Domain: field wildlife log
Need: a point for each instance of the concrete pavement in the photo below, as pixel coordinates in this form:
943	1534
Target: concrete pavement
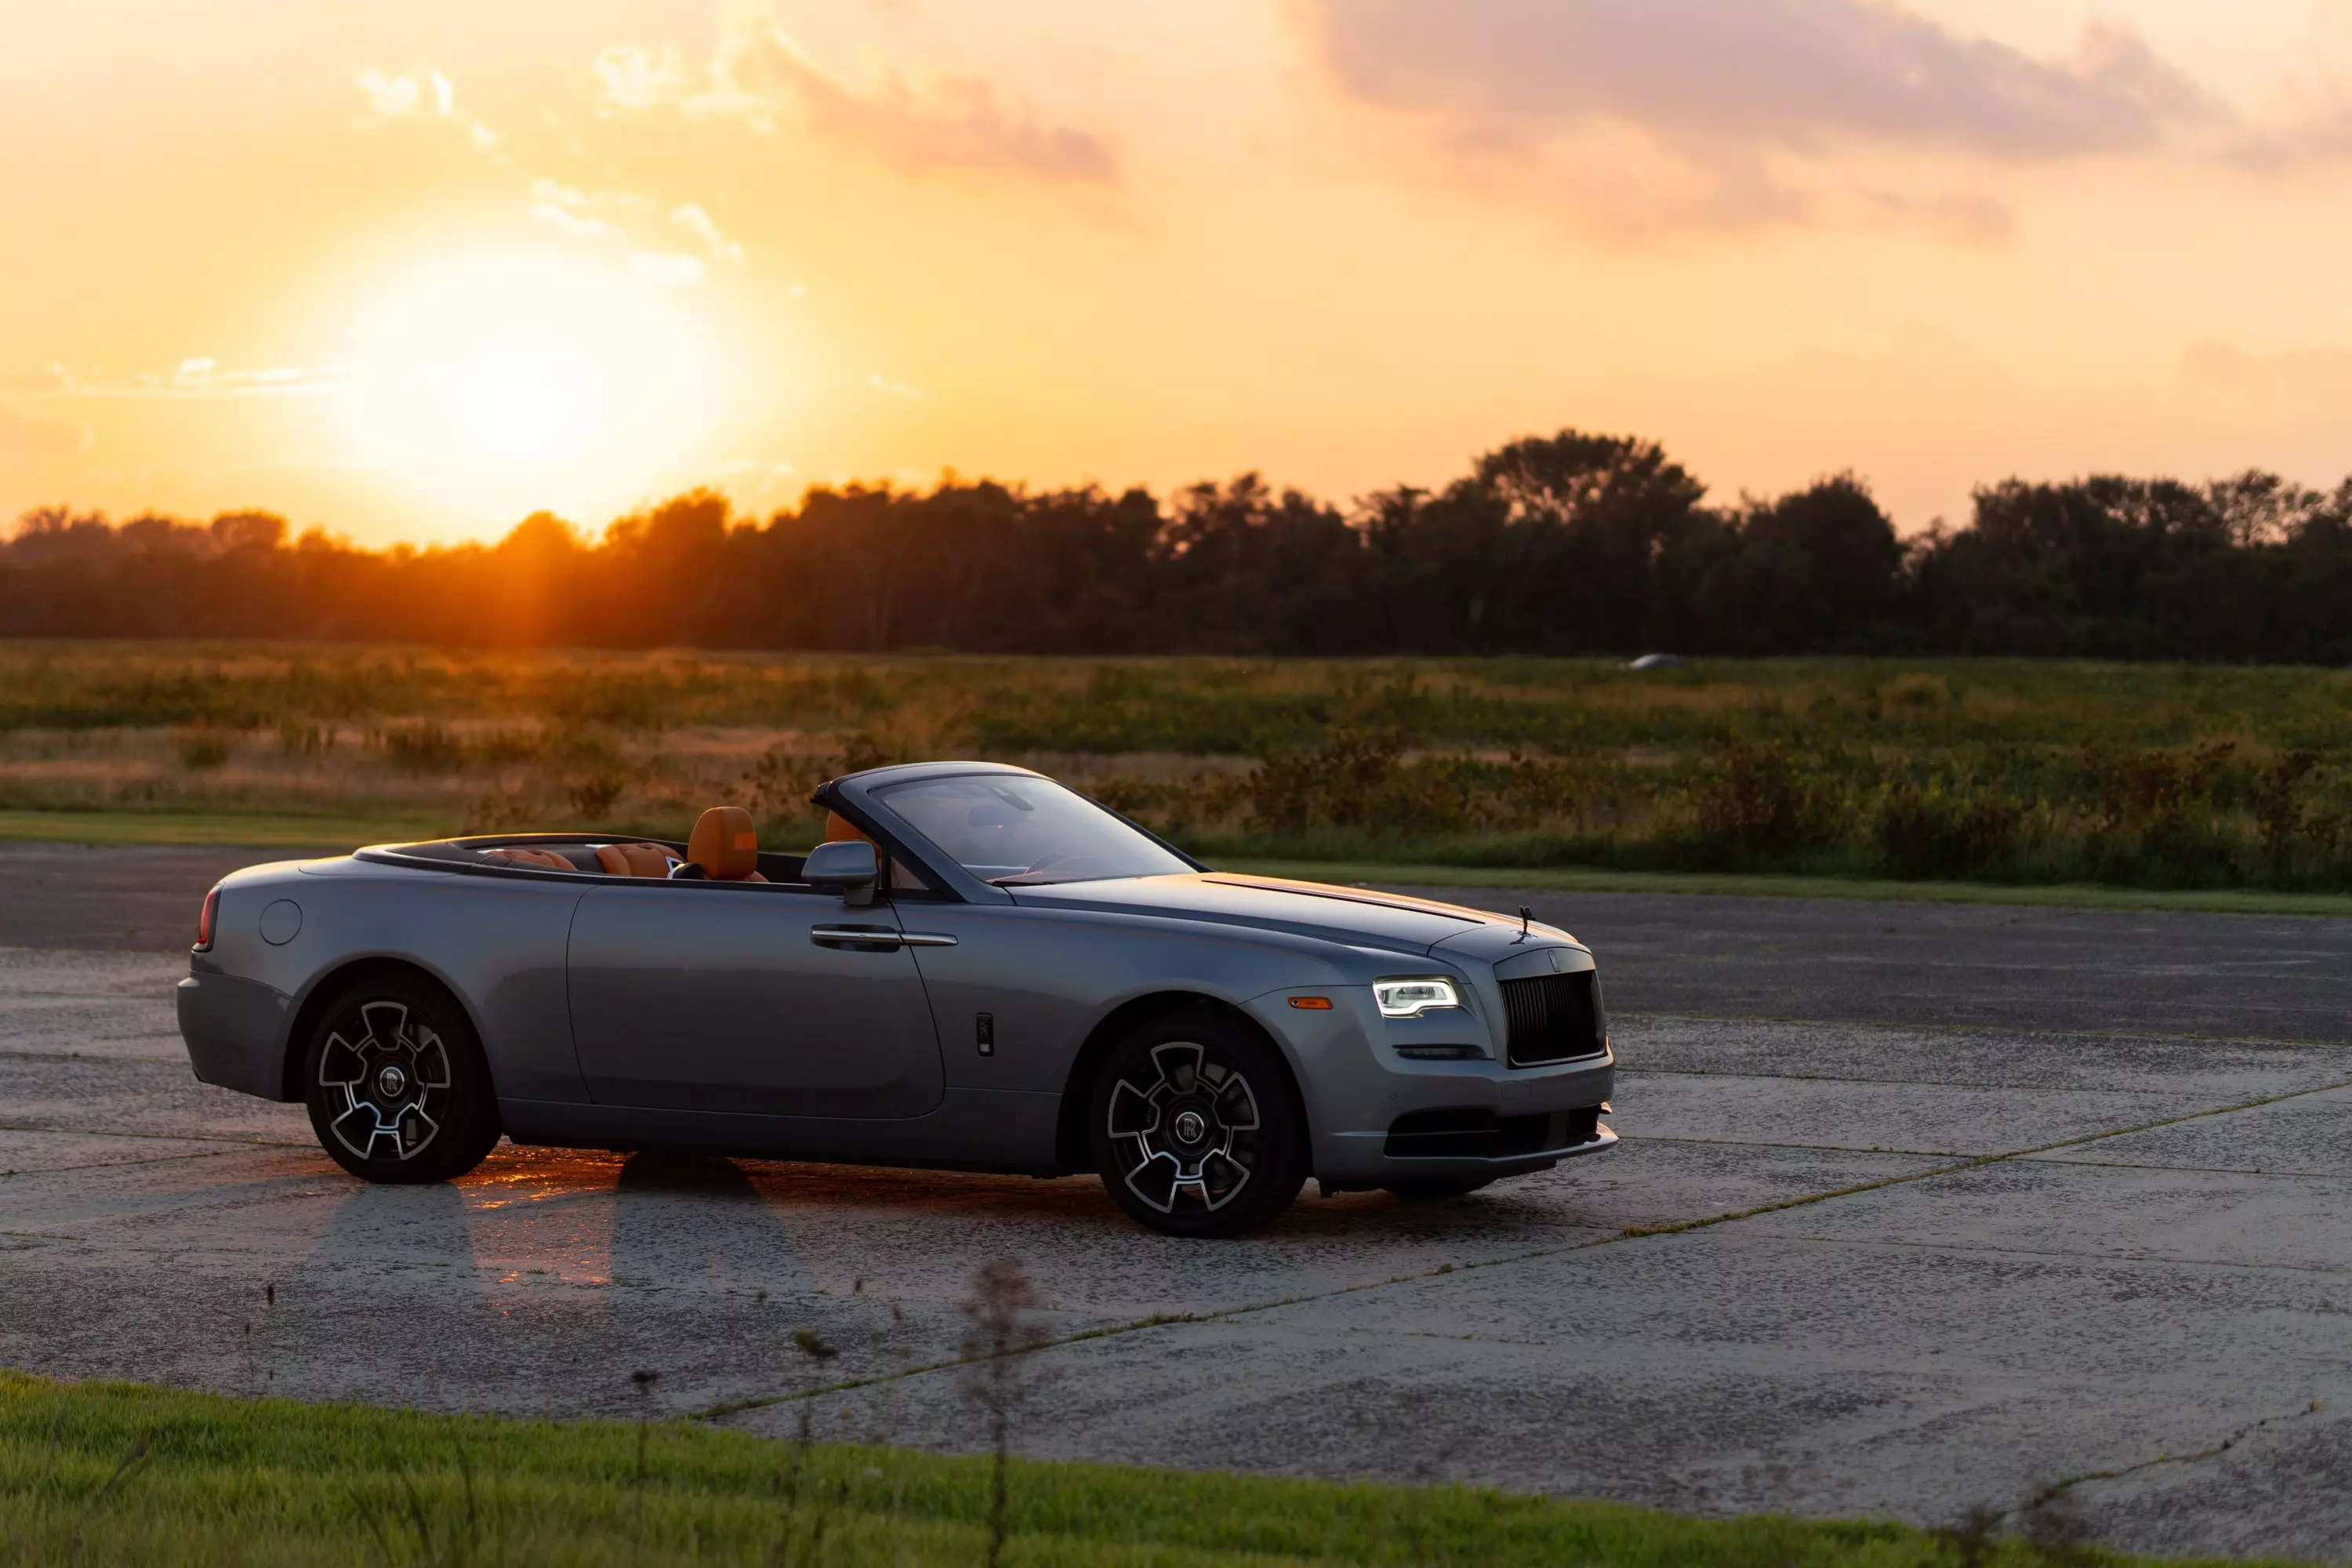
1918	1208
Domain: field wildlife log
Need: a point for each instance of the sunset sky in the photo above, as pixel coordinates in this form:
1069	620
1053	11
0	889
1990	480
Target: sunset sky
415	270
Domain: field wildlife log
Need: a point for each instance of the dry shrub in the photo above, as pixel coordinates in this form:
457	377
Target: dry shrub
426	748
1946	829
297	737
2158	792
1000	1373
201	747
593	798
1763	800
1343	783
781	782
1919	692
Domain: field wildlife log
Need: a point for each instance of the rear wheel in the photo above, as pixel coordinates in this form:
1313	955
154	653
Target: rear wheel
1196	1128
397	1085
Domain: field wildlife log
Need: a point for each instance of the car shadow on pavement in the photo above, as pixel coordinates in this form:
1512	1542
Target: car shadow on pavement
387	1304
682	1220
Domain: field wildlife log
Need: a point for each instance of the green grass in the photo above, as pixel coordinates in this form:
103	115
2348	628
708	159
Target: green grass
108	828
260	832
1408	874
116	1473
1186	705
2056	774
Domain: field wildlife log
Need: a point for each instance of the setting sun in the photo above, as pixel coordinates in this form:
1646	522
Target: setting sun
416	272
522	381
525	410
679	676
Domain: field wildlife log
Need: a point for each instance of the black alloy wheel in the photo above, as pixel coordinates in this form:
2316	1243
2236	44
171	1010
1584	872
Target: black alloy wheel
397	1085
1196	1127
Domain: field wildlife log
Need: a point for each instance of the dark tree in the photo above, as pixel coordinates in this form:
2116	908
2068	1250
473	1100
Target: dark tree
1569	543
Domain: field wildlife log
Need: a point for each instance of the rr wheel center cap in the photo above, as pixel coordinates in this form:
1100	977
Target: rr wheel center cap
1191	1126
392	1080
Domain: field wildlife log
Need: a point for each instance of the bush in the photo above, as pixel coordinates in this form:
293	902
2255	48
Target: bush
1342	784
1758	801
424	748
203	746
1944	830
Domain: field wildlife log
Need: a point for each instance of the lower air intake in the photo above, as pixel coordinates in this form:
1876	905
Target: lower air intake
1483	1136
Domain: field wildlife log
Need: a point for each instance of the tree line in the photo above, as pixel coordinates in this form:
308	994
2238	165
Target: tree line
1570	543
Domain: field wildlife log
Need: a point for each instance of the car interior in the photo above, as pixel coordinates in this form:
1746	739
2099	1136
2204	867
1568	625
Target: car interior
723	847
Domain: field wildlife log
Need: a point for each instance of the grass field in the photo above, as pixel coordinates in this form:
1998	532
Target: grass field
115	1473
2008	773
327	835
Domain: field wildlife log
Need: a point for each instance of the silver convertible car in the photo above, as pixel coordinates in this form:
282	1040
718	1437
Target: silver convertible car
980	969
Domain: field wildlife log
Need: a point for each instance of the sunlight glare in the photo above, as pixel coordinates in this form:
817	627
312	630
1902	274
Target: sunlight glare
532	411
498	385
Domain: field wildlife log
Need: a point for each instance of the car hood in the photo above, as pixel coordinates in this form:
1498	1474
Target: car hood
1357	916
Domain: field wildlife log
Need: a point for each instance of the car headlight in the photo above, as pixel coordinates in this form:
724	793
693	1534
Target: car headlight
1412	998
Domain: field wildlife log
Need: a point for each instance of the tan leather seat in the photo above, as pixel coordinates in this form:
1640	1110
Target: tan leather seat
539	859
634	859
725	846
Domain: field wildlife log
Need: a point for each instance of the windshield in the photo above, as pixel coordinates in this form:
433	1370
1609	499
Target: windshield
1022	831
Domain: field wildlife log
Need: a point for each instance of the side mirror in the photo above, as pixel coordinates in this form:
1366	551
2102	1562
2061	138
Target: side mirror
849	867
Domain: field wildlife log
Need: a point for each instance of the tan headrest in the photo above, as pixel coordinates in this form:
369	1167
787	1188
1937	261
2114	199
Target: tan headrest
633	860
724	845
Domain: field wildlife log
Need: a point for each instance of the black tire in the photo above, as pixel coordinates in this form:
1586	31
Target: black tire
397	1084
1196	1127
1427	1189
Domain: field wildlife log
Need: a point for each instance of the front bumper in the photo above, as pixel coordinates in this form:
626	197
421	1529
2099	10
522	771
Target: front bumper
1369	1105
1476	1125
1366	1169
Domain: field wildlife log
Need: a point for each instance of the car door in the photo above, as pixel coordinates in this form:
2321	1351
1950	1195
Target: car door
759	999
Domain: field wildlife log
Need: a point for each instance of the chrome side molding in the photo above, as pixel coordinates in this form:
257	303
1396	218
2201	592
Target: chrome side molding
877	936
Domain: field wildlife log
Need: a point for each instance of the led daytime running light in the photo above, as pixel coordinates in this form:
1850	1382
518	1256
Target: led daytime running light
1413	996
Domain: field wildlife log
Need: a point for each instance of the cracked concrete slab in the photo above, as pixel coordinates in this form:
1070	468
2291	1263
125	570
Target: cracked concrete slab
1798	1285
1894	1118
2202	1068
53	1091
2281	1478
2049	1208
2310	1134
113	1005
31	1153
1713	1369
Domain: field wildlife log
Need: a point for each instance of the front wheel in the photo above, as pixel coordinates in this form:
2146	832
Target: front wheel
397	1089
1196	1128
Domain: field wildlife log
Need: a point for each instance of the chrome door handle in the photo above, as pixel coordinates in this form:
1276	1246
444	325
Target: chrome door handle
854	936
928	938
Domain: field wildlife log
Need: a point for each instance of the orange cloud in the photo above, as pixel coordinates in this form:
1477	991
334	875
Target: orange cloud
1650	116
765	80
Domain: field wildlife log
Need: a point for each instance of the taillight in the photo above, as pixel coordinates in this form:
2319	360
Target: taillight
204	920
